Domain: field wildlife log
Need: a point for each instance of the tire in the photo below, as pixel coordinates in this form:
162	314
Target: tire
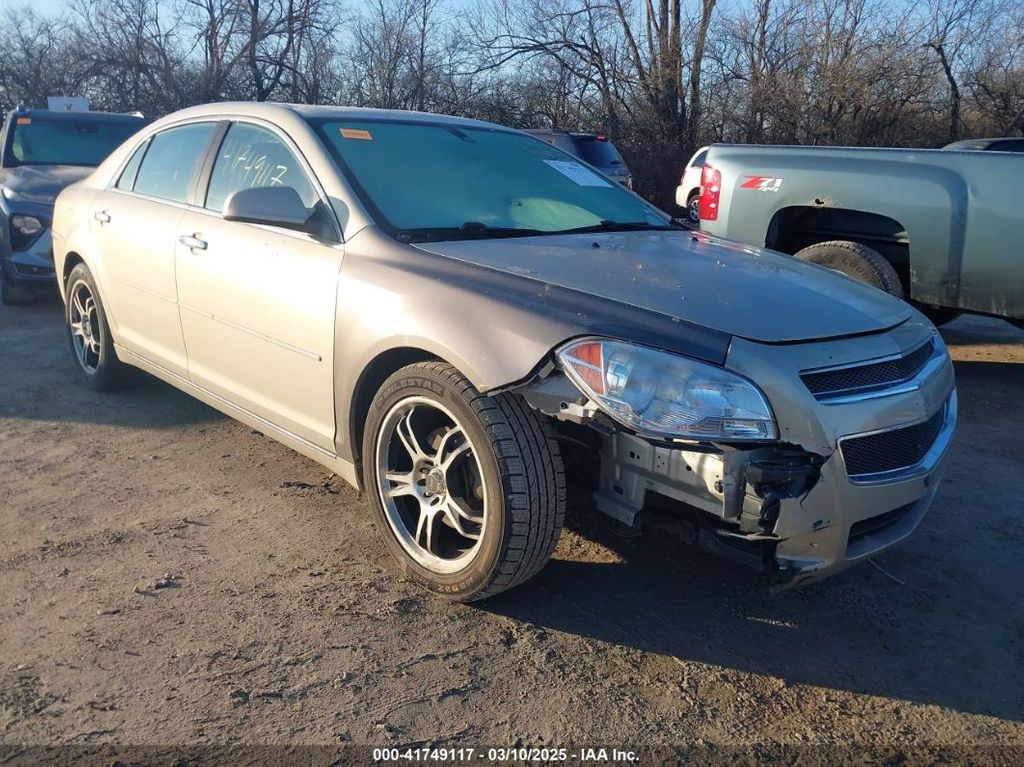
92	347
693	209
501	480
857	261
12	295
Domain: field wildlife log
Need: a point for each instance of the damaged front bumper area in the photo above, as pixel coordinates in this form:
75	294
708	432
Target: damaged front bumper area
853	473
782	509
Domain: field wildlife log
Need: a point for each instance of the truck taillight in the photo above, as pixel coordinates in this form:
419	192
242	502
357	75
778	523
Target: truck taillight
710	192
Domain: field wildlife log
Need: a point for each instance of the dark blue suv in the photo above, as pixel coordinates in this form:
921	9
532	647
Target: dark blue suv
41	152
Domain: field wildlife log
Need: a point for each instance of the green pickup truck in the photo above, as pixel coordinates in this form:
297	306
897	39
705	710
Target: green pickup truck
942	228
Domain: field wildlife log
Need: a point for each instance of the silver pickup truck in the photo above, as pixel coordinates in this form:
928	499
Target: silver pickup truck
944	229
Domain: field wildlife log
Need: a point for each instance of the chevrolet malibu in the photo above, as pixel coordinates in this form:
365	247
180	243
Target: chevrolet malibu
451	315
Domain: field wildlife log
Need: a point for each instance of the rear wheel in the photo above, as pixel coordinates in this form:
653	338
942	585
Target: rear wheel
467	490
693	208
857	261
89	334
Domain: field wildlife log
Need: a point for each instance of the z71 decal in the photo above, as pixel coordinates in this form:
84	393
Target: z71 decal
762	183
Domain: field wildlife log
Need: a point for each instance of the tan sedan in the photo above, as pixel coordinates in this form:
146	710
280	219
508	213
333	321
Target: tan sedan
438	309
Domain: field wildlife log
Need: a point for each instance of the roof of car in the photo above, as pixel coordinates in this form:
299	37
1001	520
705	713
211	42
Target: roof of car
268	111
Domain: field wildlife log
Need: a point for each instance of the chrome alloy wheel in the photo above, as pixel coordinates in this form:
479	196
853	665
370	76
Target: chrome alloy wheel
431	484
85	326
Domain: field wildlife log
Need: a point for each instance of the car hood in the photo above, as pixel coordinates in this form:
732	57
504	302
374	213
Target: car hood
748	292
39	184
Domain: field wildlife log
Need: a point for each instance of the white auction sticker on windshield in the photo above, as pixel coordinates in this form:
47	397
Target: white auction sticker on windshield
577	173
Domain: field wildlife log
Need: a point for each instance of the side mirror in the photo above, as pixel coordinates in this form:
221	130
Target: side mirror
270	205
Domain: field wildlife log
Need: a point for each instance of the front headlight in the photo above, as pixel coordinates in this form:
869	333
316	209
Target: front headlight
27	226
24	231
664	394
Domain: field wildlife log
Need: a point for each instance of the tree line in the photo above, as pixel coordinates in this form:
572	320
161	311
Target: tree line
662	77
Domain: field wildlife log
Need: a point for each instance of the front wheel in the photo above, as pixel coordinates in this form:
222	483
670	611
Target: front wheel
467	490
89	334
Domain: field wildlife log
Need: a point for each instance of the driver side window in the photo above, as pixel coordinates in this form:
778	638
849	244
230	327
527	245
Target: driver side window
252	157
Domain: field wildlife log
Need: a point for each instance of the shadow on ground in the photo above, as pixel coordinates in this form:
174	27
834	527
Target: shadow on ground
39	380
848	633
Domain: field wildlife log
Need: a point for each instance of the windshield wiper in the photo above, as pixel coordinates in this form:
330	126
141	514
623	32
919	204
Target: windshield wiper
471	230
618	226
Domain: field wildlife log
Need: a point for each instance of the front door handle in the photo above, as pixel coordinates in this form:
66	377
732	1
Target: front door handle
102	216
192	242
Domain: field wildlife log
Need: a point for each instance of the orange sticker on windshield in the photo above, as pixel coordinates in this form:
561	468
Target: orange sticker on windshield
363	135
24	121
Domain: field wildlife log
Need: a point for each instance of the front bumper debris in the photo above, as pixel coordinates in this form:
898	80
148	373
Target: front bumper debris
796	514
812	504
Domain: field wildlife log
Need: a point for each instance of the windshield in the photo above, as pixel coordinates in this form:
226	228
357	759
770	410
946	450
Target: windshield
429	181
38	141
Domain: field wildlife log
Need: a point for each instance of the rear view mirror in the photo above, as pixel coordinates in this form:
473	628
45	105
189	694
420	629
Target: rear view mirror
270	205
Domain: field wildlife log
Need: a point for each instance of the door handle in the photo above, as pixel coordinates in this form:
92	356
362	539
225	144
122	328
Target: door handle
102	216
192	242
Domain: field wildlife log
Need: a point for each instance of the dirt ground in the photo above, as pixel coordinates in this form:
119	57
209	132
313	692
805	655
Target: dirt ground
168	576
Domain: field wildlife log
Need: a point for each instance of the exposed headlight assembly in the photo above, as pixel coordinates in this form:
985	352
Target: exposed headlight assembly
24	231
667	395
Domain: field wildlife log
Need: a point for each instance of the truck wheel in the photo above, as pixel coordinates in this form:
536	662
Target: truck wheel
857	261
12	295
89	334
693	208
467	490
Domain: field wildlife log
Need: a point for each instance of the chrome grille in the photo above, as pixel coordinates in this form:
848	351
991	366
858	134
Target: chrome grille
856	378
890	451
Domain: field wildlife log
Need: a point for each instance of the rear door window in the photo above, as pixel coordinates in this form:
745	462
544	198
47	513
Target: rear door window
169	167
131	170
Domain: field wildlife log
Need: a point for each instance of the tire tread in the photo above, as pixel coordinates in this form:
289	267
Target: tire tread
530	466
888	279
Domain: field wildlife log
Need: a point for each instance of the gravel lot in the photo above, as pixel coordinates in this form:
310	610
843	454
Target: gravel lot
168	576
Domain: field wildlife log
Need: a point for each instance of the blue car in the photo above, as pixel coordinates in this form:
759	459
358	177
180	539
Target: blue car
41	152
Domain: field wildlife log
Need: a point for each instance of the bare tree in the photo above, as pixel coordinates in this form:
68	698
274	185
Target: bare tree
36	60
952	26
996	81
662	76
130	54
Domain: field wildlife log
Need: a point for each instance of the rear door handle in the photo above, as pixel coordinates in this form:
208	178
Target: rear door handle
102	216
192	242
